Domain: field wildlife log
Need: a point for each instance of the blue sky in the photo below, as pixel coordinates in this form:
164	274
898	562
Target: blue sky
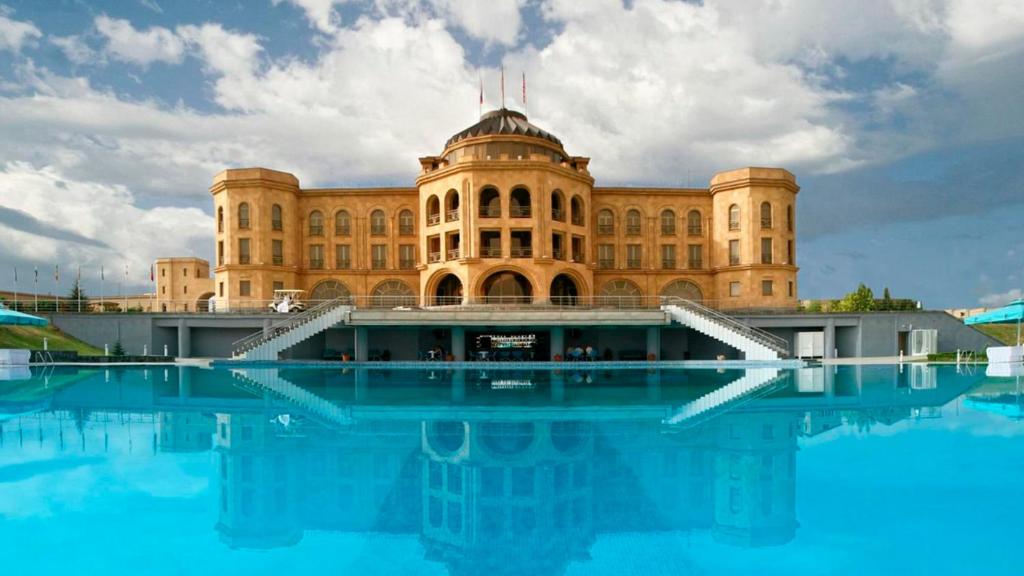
900	119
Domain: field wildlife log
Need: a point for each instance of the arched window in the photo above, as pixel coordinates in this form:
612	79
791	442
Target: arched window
220	219
433	210
734	217
451	206
378	223
766	215
633	223
276	218
668	222
406	224
329	290
605	222
243	215
577	211
621	294
694	223
789	217
557	206
342	223
316	223
391	293
490	203
519	203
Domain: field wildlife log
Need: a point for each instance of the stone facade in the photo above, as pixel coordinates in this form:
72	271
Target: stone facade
504	213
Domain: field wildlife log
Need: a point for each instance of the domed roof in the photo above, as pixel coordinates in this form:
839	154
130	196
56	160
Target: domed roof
503	121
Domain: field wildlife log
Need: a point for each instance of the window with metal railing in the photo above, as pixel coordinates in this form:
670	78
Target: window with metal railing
734	252
276	218
633	258
452	215
243	251
378	223
243	216
605	223
766	216
379	256
668	223
734	217
316	223
633	220
277	252
316	257
694	223
695	257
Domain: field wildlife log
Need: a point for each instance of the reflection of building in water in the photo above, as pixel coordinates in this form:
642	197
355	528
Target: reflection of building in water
493	490
184	431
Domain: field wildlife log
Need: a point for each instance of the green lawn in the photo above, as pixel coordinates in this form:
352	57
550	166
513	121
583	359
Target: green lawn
1005	333
31	337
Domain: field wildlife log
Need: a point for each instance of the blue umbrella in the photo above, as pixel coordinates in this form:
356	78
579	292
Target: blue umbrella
1010	314
15	318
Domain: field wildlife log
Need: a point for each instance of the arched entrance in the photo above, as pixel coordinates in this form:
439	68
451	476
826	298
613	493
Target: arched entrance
202	304
683	289
564	291
507	288
329	290
448	291
392	294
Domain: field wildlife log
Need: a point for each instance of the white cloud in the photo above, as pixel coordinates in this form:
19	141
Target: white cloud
142	47
320	13
105	213
497	21
75	49
1002	298
14	34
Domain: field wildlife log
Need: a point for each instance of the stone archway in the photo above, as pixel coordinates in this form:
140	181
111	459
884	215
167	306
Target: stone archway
564	291
506	287
203	303
448	291
683	289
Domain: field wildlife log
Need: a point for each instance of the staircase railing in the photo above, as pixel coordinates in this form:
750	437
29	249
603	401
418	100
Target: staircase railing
758	335
288	324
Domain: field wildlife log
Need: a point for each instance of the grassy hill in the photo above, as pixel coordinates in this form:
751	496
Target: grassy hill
1005	333
31	337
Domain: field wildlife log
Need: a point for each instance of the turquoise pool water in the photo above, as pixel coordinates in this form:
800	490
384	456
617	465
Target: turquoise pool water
849	470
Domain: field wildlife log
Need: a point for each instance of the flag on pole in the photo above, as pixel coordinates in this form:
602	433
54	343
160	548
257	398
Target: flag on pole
481	96
524	92
152	274
502	85
102	276
56	273
15	275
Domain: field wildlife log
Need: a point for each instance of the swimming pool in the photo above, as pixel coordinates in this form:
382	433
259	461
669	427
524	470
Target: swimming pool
837	470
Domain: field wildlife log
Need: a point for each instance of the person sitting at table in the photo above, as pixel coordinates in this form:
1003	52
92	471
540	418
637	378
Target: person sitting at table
577	353
589	351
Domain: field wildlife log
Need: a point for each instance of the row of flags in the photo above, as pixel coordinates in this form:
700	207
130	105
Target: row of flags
502	91
78	276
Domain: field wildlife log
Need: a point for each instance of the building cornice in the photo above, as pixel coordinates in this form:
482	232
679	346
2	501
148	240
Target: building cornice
646	191
390	191
505	165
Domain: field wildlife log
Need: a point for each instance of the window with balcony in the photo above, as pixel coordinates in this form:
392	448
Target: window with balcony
490	243
244	256
453	245
378	223
766	250
490	203
519	203
277	252
316	256
406	223
379	256
522	243
343	256
316	223
734	217
342	223
606	256
633	219
695	256
558	246
605	222
406	256
433	211
243	216
451	206
668	257
734	252
578	218
694	223
276	218
668	222
766	216
579	252
434	254
557	206
633	255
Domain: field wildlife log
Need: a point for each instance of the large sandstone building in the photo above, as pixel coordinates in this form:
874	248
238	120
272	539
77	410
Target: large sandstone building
502	215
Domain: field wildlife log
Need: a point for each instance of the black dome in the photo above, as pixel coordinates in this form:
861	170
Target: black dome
503	121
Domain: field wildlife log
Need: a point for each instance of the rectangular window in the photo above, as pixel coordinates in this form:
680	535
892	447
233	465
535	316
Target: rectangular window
406	256
668	256
633	256
221	290
490	243
606	256
558	246
278	285
790	288
184	272
734	289
244	288
243	251
734	252
695	256
434	249
342	256
579	253
379	256
766	250
767	287
220	253
316	256
277	251
789	253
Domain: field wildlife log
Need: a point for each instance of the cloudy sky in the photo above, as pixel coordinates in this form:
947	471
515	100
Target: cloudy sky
903	119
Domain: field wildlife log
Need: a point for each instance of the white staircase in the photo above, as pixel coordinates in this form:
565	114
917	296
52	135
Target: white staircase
756	344
267	344
268	379
754	380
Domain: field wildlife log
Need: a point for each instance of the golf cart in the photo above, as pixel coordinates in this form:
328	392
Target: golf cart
288	301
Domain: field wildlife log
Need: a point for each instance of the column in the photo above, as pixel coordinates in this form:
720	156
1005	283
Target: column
654	341
267	323
830	338
184	339
557	341
459	343
362	343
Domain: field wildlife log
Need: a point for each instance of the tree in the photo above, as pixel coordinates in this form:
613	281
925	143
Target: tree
118	349
860	300
77	294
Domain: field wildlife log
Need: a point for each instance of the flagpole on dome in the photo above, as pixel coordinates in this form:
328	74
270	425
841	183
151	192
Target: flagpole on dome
481	96
502	86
